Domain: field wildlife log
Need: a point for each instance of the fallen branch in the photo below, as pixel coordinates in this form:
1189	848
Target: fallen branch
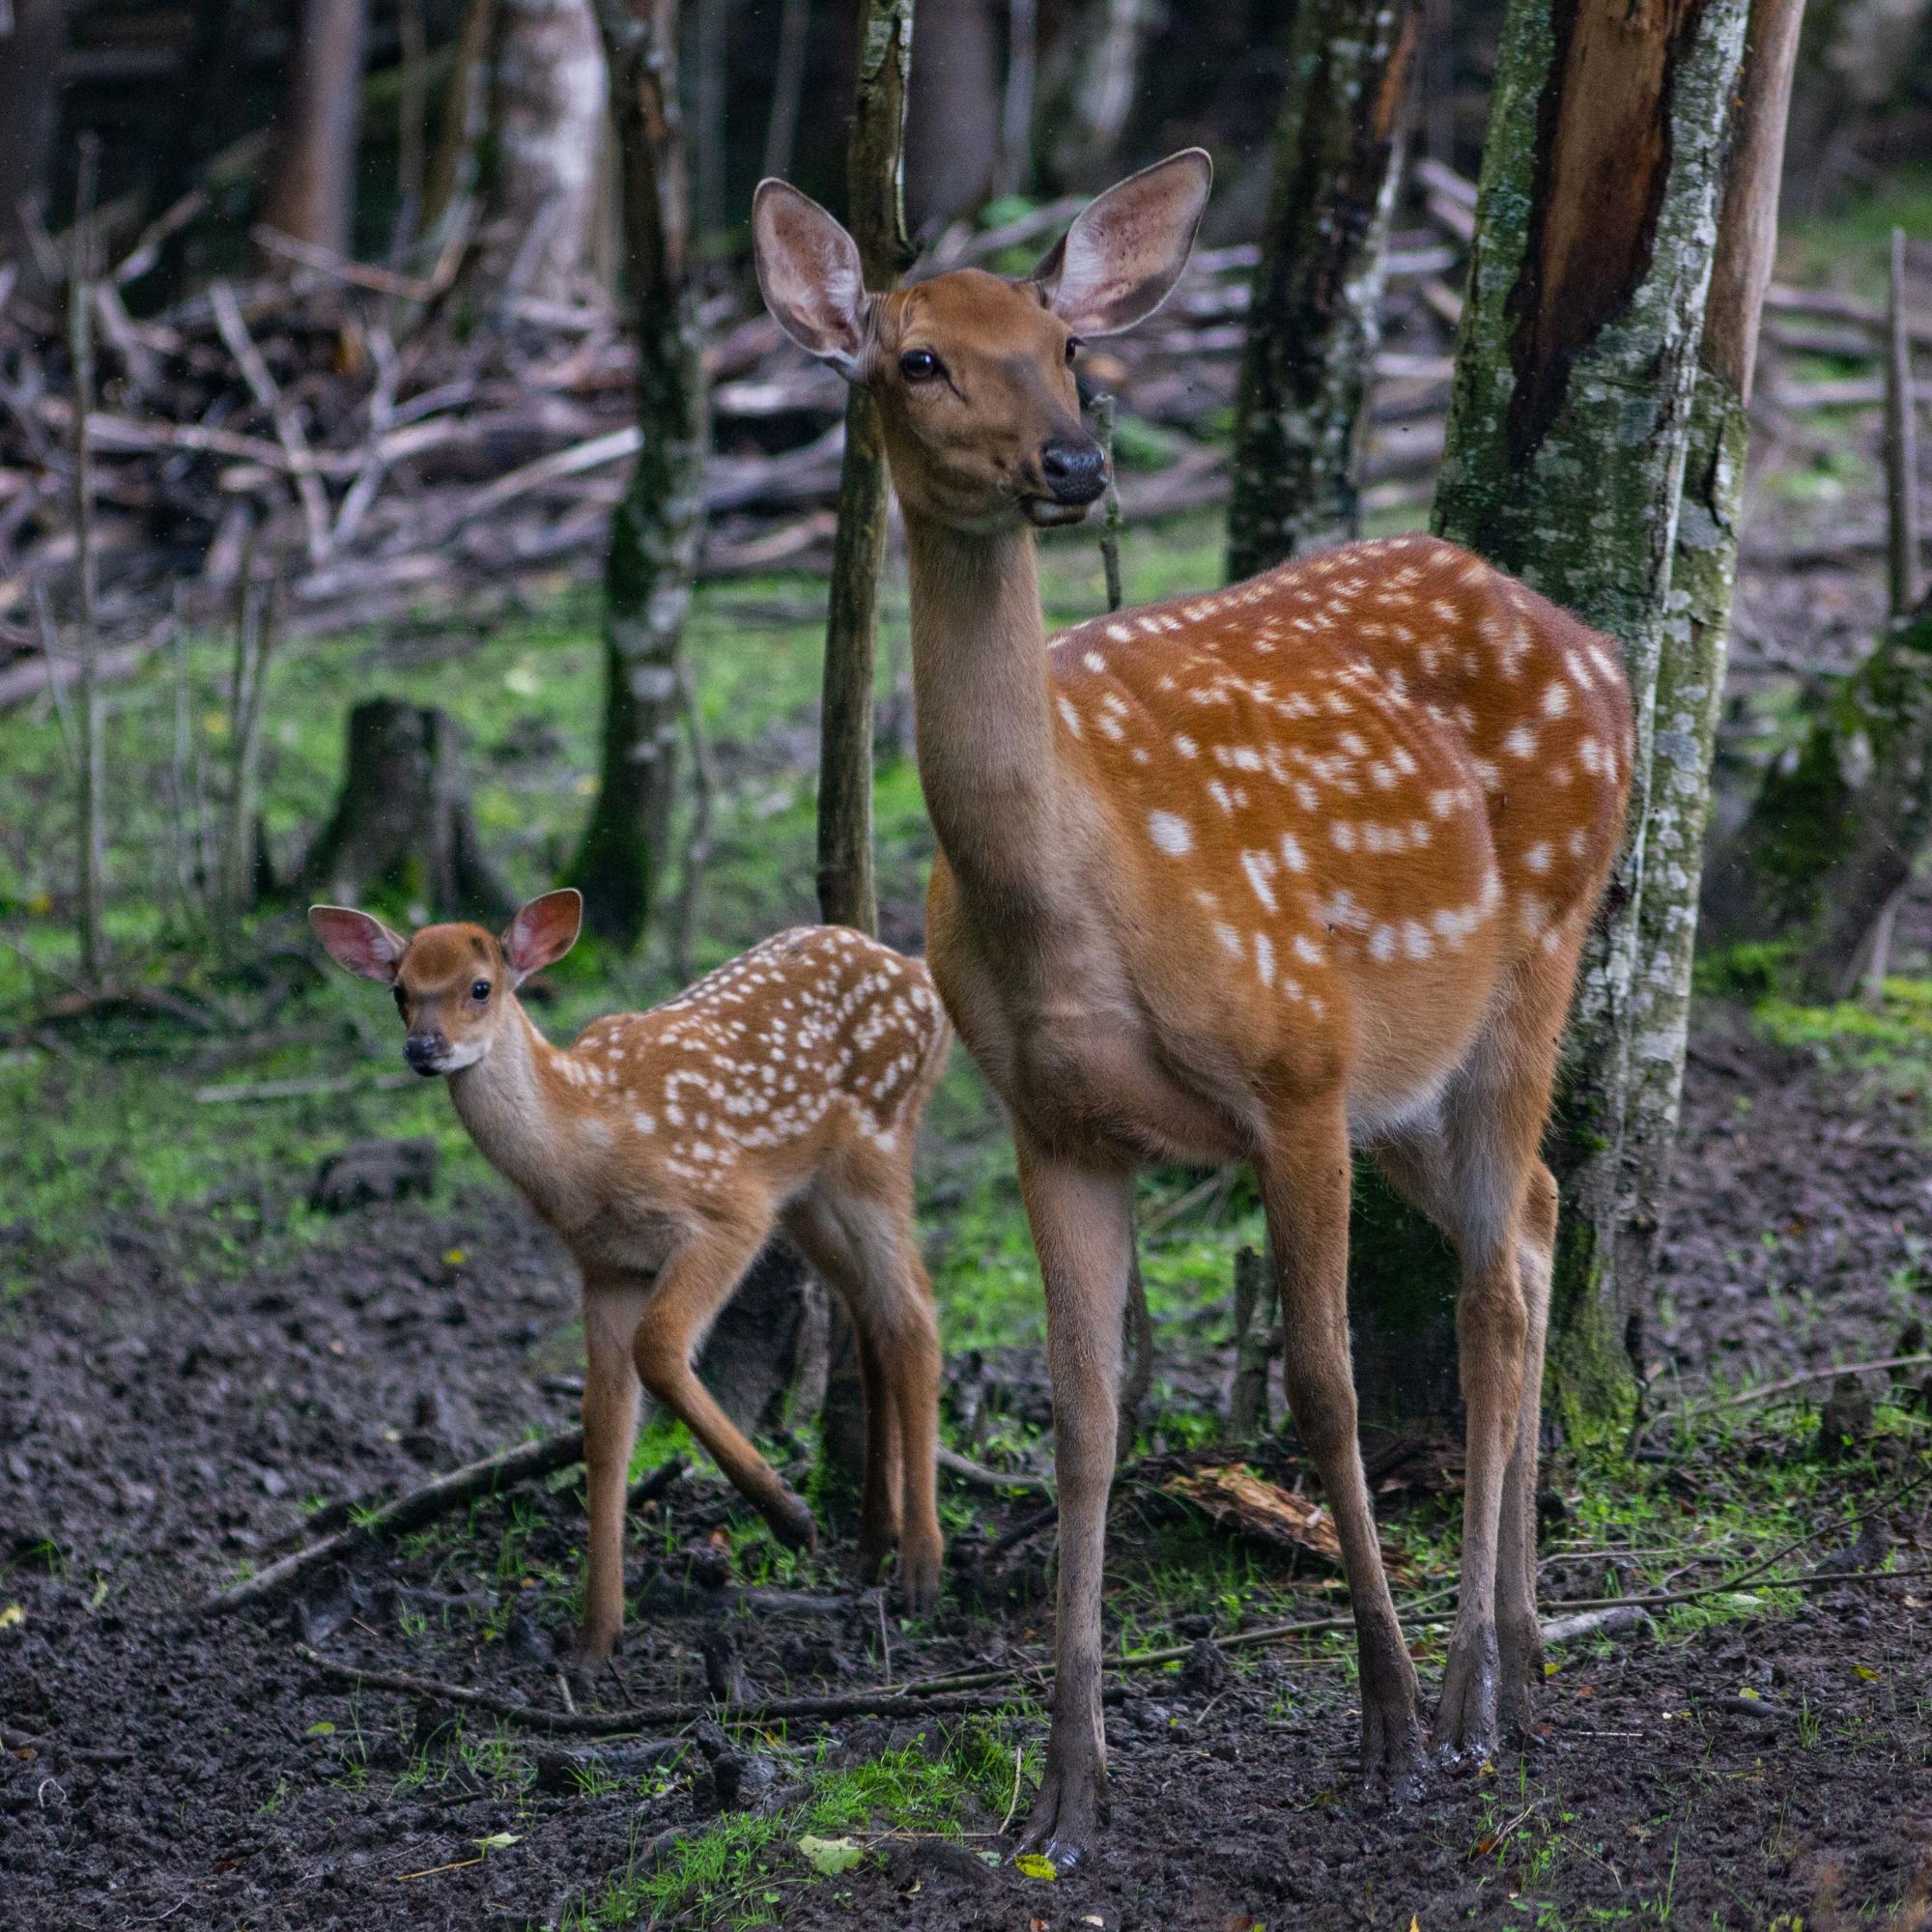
980	1477
652	1716
25	1740
524	1462
244	1090
1595	1623
1765	1390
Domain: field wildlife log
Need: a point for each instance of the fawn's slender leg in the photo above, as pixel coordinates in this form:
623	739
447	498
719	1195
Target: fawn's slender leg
1304	1178
1518	1634
1082	1221
822	1236
1494	1116
696	1283
905	1335
612	1306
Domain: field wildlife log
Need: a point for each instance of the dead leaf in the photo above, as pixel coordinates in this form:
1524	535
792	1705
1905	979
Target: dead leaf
831	1856
1036	1864
1266	1510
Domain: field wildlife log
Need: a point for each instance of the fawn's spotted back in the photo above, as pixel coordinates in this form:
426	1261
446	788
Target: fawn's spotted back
814	1024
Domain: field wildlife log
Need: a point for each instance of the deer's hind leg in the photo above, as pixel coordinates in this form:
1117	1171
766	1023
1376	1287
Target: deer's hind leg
1499	1197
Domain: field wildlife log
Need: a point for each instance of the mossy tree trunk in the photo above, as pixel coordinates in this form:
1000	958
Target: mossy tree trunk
1691	665
659	522
1313	319
1837	823
1569	423
847	886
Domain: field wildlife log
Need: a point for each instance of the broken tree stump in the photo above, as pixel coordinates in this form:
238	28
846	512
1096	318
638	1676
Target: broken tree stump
402	827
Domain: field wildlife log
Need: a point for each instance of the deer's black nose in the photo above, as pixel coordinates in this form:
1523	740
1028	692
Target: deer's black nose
422	1050
1073	468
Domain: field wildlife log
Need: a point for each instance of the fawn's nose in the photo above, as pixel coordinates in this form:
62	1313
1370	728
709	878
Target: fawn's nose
424	1050
1073	468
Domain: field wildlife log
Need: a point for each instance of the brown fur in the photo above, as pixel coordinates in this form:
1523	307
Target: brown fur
1253	874
784	1090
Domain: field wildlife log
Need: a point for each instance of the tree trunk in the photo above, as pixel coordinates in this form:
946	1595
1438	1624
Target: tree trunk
1088	80
847	891
312	191
547	93
1569	422
1837	823
847	888
1690	668
402	829
952	134
1314	317
659	522
31	47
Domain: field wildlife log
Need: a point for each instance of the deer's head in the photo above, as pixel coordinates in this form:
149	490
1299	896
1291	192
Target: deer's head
454	984
973	373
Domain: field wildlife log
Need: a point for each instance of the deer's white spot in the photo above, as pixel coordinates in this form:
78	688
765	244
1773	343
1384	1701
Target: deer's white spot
1171	834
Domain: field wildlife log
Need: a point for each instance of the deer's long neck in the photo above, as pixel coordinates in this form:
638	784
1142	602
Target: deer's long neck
986	753
512	1104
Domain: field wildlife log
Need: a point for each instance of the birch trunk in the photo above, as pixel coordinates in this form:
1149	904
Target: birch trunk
1569	424
659	522
1690	668
1314	314
547	100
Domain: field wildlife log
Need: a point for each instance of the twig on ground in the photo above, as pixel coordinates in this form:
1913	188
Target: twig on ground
1765	1390
237	1092
524	1462
980	1477
25	1740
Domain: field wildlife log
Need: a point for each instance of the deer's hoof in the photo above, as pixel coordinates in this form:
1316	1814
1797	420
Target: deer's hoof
792	1524
920	1565
1466	1717
1065	1822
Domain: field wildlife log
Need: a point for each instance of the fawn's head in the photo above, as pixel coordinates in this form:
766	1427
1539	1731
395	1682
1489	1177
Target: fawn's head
973	373
453	983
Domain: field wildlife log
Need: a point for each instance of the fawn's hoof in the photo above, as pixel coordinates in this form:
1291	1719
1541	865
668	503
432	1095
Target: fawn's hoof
792	1524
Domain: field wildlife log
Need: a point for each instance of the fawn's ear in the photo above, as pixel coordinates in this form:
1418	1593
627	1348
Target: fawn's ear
809	274
543	931
1125	250
353	939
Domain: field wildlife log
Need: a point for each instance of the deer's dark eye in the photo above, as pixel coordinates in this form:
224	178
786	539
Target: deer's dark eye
919	365
1074	346
401	998
481	991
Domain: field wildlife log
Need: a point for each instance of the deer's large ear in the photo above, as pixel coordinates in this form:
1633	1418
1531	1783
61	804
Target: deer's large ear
1124	252
353	939
809	274
543	931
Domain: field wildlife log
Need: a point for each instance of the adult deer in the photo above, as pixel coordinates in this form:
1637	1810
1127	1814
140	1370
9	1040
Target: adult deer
1253	875
783	1090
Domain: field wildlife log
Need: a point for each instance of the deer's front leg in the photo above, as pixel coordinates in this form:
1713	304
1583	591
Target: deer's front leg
612	1307
1082	1222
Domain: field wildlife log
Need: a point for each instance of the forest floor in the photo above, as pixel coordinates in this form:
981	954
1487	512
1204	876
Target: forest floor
195	1364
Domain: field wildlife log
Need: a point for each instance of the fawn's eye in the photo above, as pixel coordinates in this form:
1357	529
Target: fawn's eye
481	991
919	365
1074	346
402	999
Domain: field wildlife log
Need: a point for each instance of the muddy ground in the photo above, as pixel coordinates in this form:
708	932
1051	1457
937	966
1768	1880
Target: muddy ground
163	1421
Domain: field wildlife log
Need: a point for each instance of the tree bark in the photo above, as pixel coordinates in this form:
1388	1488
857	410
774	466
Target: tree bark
1314	317
1089	79
401	829
659	522
312	191
30	97
952	134
1690	665
1569	423
547	93
874	166
847	887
